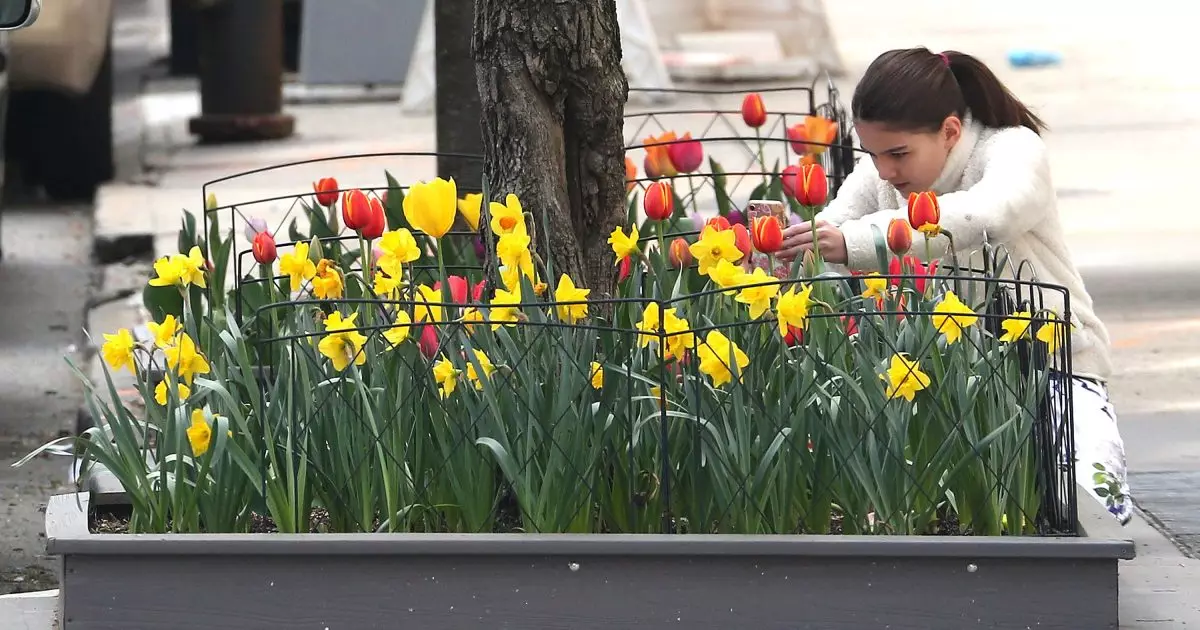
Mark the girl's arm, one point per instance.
(1010, 199)
(858, 196)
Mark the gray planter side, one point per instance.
(460, 582)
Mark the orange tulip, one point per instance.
(767, 234)
(356, 210)
(658, 157)
(680, 253)
(814, 129)
(630, 174)
(659, 201)
(327, 191)
(742, 239)
(686, 155)
(924, 213)
(754, 113)
(899, 236)
(264, 248)
(377, 223)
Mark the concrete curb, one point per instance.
(37, 610)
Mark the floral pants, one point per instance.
(1099, 450)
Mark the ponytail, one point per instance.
(916, 90)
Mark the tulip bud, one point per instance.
(790, 177)
(736, 217)
(625, 269)
(680, 254)
(378, 223)
(210, 202)
(630, 174)
(659, 201)
(327, 191)
(480, 249)
(356, 210)
(899, 236)
(794, 336)
(254, 226)
(428, 341)
(650, 167)
(264, 248)
(767, 234)
(924, 213)
(742, 239)
(687, 154)
(754, 113)
(812, 188)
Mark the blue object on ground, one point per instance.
(1025, 58)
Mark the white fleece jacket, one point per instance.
(995, 187)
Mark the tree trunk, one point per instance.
(457, 94)
(553, 94)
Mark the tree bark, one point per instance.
(457, 95)
(553, 95)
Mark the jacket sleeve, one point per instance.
(1010, 198)
(858, 196)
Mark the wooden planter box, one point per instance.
(461, 582)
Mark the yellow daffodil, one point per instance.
(485, 364)
(165, 333)
(185, 360)
(160, 392)
(568, 292)
(675, 331)
(758, 298)
(715, 245)
(513, 251)
(508, 216)
(118, 350)
(180, 270)
(470, 317)
(718, 355)
(597, 372)
(342, 342)
(504, 310)
(1051, 333)
(386, 286)
(427, 308)
(904, 378)
(877, 286)
(624, 246)
(399, 330)
(446, 376)
(199, 434)
(297, 266)
(399, 248)
(469, 208)
(951, 316)
(431, 206)
(327, 283)
(727, 275)
(1016, 326)
(792, 309)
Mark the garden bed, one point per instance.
(431, 581)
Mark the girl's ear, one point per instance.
(951, 131)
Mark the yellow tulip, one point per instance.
(431, 206)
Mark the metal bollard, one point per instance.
(241, 72)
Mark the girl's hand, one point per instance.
(798, 239)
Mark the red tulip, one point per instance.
(378, 223)
(679, 254)
(794, 336)
(356, 210)
(899, 236)
(718, 222)
(428, 341)
(789, 177)
(624, 269)
(327, 191)
(810, 186)
(913, 266)
(767, 234)
(458, 289)
(851, 325)
(754, 113)
(742, 239)
(659, 201)
(687, 155)
(924, 213)
(264, 248)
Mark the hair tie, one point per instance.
(945, 59)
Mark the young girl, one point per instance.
(944, 122)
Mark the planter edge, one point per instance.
(67, 532)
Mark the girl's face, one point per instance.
(910, 161)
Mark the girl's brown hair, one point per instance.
(915, 89)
